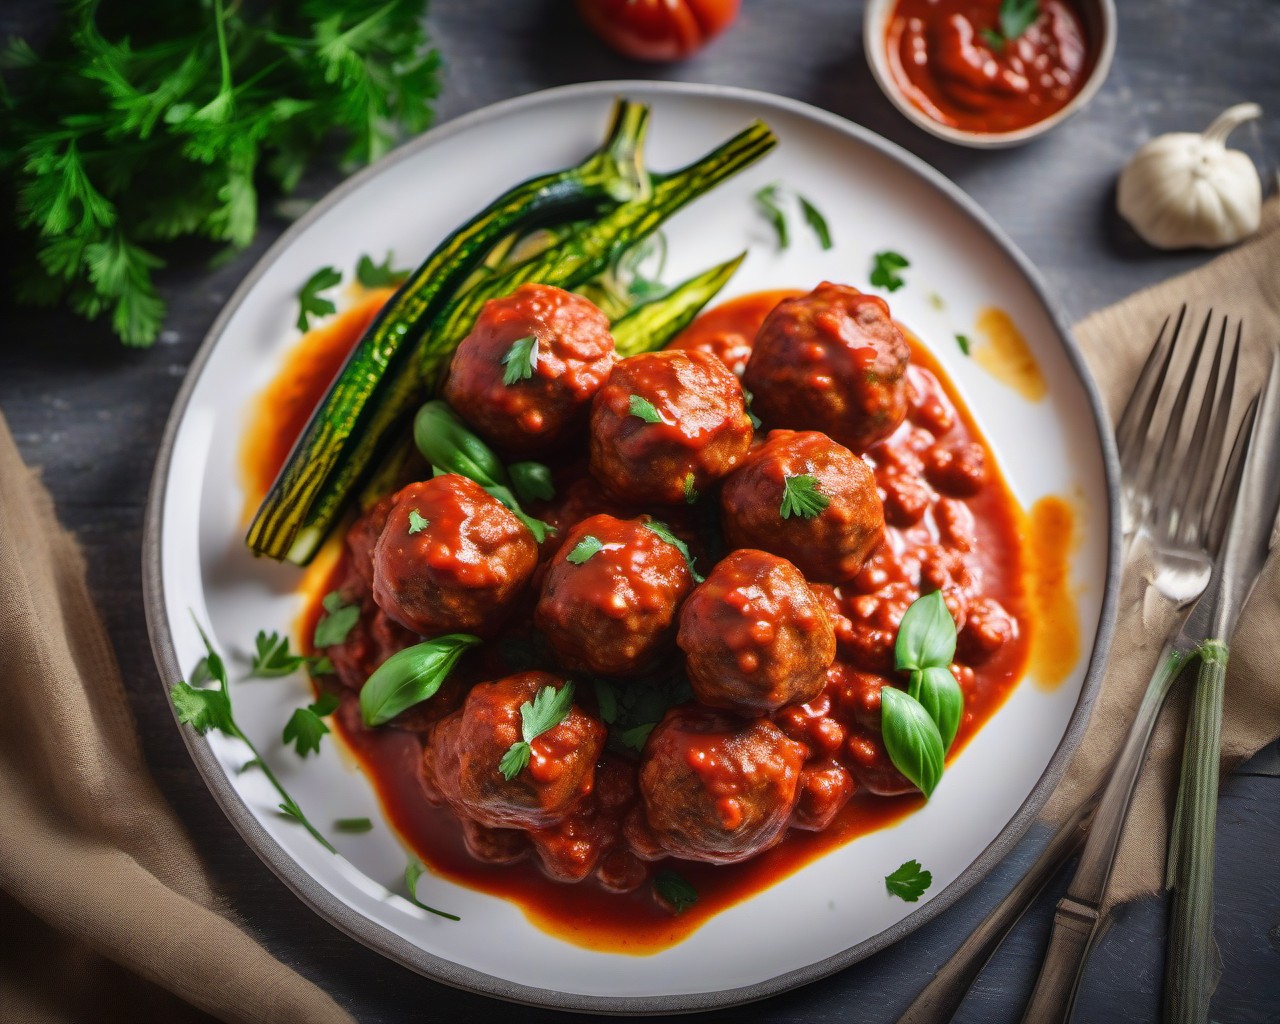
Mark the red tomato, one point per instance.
(658, 29)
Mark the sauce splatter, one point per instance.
(1055, 640)
(1003, 352)
(281, 411)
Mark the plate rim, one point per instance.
(382, 940)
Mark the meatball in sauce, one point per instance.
(754, 635)
(834, 361)
(525, 375)
(804, 497)
(667, 425)
(450, 558)
(610, 596)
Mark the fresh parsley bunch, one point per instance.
(141, 124)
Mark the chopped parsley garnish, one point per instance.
(521, 360)
(547, 710)
(770, 200)
(341, 618)
(416, 523)
(272, 657)
(379, 275)
(675, 891)
(664, 532)
(311, 302)
(909, 881)
(801, 497)
(353, 826)
(755, 420)
(413, 872)
(636, 737)
(306, 726)
(690, 492)
(584, 549)
(643, 408)
(885, 267)
(963, 341)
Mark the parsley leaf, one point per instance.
(547, 710)
(885, 267)
(414, 871)
(755, 420)
(690, 492)
(311, 302)
(644, 409)
(341, 618)
(353, 826)
(1016, 16)
(801, 497)
(379, 275)
(814, 218)
(272, 657)
(675, 891)
(584, 549)
(770, 200)
(416, 523)
(305, 726)
(636, 737)
(909, 881)
(521, 360)
(664, 532)
(767, 201)
(606, 700)
(963, 341)
(210, 708)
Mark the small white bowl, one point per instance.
(1099, 22)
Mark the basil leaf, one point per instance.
(939, 694)
(911, 738)
(926, 636)
(531, 481)
(448, 445)
(411, 676)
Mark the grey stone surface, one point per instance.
(90, 414)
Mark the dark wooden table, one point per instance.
(91, 413)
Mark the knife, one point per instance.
(1250, 530)
(1190, 963)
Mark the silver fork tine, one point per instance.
(1138, 411)
(1195, 526)
(1219, 511)
(1162, 487)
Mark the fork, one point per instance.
(1184, 537)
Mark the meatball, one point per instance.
(610, 595)
(775, 501)
(363, 536)
(450, 558)
(754, 635)
(461, 758)
(702, 428)
(572, 355)
(834, 361)
(715, 787)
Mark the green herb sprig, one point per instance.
(772, 200)
(663, 531)
(132, 130)
(306, 725)
(801, 497)
(675, 891)
(548, 709)
(411, 676)
(339, 619)
(413, 873)
(584, 549)
(450, 447)
(886, 268)
(1016, 16)
(919, 726)
(209, 707)
(643, 409)
(909, 881)
(520, 361)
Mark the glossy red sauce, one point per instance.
(943, 57)
(587, 914)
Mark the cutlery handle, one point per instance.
(1055, 993)
(940, 999)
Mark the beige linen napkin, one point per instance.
(106, 912)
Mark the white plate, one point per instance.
(832, 912)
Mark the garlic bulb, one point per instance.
(1183, 189)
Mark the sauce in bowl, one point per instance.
(949, 60)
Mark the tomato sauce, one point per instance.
(983, 539)
(950, 61)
